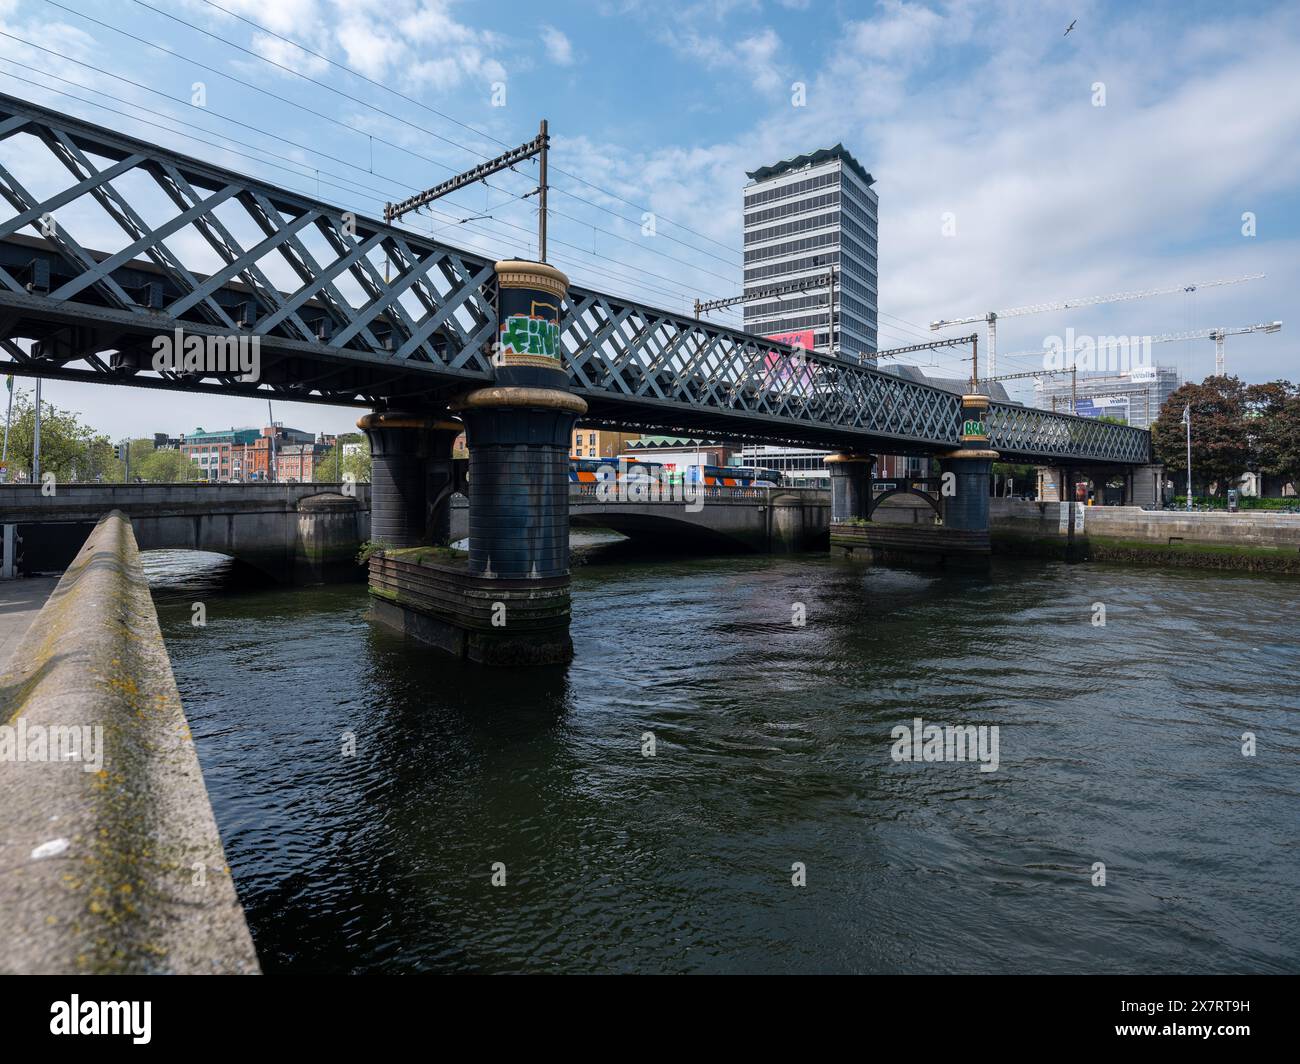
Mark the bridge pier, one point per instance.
(850, 486)
(412, 478)
(1145, 486)
(962, 538)
(507, 600)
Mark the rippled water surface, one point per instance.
(1118, 744)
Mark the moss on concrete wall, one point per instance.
(120, 869)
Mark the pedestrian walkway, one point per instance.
(20, 601)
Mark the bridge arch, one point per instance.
(930, 500)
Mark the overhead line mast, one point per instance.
(505, 161)
(782, 288)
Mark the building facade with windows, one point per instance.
(600, 443)
(297, 463)
(239, 454)
(803, 217)
(798, 466)
(220, 454)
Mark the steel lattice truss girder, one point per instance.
(349, 334)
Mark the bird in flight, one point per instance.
(1069, 28)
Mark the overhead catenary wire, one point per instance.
(370, 136)
(351, 185)
(450, 118)
(382, 111)
(334, 121)
(371, 194)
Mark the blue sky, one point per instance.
(981, 112)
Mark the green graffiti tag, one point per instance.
(522, 335)
(972, 428)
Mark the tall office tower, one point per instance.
(804, 217)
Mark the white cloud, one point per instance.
(756, 56)
(558, 47)
(990, 117)
(291, 56)
(904, 31)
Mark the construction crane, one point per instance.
(992, 316)
(1217, 336)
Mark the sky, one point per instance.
(1155, 145)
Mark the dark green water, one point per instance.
(1119, 744)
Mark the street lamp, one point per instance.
(1187, 420)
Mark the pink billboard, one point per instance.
(789, 370)
(803, 338)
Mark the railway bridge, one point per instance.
(431, 340)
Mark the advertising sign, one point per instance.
(803, 338)
(790, 370)
(1103, 406)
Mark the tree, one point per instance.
(1221, 450)
(1273, 428)
(1020, 475)
(70, 450)
(164, 467)
(328, 468)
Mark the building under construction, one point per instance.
(1134, 396)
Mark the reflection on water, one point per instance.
(1119, 744)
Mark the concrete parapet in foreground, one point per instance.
(110, 860)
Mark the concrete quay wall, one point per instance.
(111, 856)
(1252, 540)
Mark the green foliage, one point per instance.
(163, 467)
(1221, 451)
(70, 449)
(1235, 429)
(330, 469)
(1273, 428)
(370, 548)
(1244, 502)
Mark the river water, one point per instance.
(1118, 744)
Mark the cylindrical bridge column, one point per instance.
(506, 601)
(518, 434)
(965, 488)
(411, 477)
(850, 485)
(519, 480)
